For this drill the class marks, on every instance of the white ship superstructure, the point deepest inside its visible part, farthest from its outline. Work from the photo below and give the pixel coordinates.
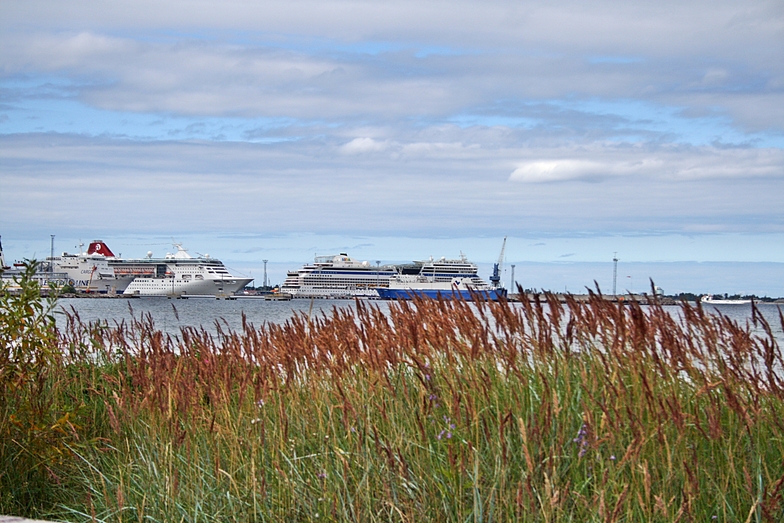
(338, 276)
(84, 272)
(442, 270)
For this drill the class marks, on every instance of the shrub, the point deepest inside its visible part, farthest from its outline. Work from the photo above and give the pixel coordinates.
(36, 427)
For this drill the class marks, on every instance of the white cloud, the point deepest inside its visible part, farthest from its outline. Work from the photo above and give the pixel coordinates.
(364, 145)
(666, 164)
(559, 170)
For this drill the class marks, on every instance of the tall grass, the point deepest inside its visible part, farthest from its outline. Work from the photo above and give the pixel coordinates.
(444, 411)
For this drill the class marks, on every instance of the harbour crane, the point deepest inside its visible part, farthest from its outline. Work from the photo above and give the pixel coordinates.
(90, 282)
(495, 279)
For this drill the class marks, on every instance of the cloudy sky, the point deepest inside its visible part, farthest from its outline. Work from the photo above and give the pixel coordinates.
(398, 130)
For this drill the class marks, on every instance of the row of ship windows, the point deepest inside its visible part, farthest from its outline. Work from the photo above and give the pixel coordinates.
(347, 281)
(373, 276)
(312, 281)
(184, 277)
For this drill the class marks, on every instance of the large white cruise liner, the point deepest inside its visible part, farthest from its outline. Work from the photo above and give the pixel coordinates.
(338, 276)
(178, 274)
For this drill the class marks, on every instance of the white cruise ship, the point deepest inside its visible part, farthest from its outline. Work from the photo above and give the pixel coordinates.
(338, 276)
(178, 274)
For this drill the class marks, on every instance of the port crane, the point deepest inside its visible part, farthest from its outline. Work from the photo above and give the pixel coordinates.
(90, 282)
(495, 279)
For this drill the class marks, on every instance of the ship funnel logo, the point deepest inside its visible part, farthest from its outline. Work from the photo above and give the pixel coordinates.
(98, 247)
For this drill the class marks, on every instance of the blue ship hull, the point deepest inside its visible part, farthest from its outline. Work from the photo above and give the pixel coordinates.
(407, 294)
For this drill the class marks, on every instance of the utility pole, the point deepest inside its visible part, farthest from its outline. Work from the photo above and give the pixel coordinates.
(51, 259)
(615, 271)
(512, 286)
(265, 274)
(378, 273)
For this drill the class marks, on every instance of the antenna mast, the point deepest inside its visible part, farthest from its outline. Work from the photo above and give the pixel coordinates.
(615, 271)
(512, 287)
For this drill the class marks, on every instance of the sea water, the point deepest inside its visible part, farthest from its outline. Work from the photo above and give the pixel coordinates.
(170, 315)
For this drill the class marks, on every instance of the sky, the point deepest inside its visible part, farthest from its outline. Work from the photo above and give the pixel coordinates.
(650, 131)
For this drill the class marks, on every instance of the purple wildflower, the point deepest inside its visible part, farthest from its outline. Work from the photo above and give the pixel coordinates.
(448, 430)
(582, 440)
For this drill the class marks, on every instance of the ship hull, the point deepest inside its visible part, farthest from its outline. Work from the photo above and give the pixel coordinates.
(331, 294)
(408, 294)
(726, 302)
(710, 300)
(173, 287)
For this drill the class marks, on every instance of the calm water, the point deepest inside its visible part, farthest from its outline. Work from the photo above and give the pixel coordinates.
(742, 314)
(171, 314)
